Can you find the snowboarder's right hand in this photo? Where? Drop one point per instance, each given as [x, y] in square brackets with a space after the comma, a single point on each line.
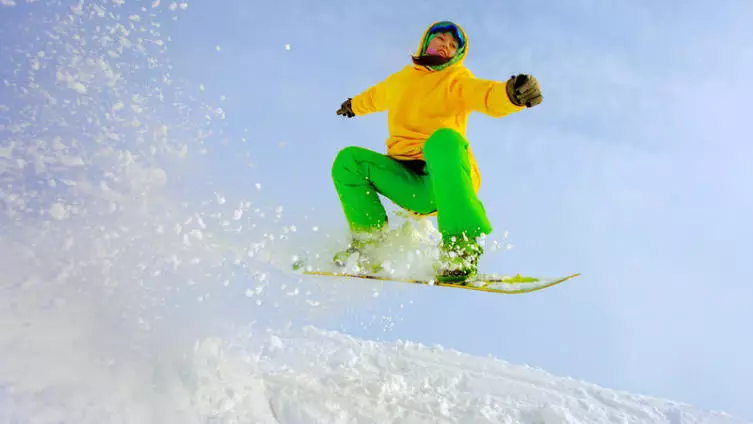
[346, 109]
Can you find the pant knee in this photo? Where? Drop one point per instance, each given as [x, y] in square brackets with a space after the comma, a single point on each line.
[444, 140]
[344, 160]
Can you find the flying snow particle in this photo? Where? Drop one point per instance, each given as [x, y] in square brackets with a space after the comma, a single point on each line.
[217, 47]
[275, 343]
[58, 211]
[157, 176]
[287, 46]
[78, 87]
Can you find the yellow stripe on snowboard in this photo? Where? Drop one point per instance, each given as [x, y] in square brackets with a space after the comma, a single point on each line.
[525, 284]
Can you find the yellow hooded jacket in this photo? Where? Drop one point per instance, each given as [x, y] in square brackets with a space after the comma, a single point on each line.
[419, 101]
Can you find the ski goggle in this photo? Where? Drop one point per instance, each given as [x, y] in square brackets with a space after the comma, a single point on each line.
[446, 26]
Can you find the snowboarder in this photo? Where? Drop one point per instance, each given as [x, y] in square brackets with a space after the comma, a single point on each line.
[429, 167]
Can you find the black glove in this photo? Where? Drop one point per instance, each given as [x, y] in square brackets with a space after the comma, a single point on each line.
[524, 90]
[346, 110]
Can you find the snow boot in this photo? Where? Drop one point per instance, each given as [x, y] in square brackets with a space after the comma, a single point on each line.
[363, 245]
[458, 261]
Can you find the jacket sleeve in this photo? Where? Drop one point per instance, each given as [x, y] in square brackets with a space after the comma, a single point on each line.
[374, 99]
[485, 96]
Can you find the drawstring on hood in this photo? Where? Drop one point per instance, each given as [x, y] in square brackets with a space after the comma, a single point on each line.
[438, 63]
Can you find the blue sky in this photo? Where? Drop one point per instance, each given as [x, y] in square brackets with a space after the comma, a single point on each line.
[634, 171]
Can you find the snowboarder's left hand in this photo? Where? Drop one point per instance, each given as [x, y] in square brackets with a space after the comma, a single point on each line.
[524, 90]
[346, 109]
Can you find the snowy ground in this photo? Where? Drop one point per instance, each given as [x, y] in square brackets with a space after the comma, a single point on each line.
[124, 299]
[314, 376]
[326, 377]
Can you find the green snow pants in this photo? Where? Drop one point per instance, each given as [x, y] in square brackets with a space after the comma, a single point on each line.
[443, 186]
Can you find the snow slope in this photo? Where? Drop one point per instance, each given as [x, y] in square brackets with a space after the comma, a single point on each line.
[327, 377]
[316, 376]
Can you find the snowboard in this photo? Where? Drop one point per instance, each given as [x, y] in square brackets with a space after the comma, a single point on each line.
[492, 283]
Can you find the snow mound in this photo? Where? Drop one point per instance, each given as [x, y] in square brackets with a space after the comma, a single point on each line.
[316, 376]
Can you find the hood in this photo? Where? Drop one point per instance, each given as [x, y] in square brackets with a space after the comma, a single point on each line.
[446, 26]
